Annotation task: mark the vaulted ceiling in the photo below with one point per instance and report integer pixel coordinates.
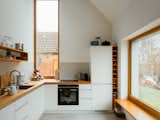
(111, 8)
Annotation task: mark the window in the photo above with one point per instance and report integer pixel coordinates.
(47, 38)
(144, 70)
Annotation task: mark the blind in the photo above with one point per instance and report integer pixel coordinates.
(47, 42)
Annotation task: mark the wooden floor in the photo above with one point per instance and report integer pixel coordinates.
(79, 116)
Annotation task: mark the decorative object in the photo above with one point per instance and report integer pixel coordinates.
(96, 42)
(105, 43)
(7, 41)
(19, 46)
(36, 76)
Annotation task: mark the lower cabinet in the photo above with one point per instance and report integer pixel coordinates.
(29, 107)
(8, 113)
(50, 98)
(102, 96)
(22, 108)
(85, 97)
(36, 103)
(45, 99)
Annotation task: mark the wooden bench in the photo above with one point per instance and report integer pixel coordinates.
(135, 111)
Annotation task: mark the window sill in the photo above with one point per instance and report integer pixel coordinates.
(135, 111)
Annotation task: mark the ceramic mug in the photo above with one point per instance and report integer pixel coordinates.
(12, 90)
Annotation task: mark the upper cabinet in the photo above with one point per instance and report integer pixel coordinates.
(101, 64)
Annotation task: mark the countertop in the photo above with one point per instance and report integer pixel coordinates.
(6, 99)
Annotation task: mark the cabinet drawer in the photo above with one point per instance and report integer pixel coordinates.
(85, 94)
(85, 87)
(22, 117)
(85, 104)
(22, 112)
(21, 102)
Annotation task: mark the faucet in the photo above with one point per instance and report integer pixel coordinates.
(13, 81)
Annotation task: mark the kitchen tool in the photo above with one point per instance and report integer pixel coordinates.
(20, 80)
(4, 80)
(106, 43)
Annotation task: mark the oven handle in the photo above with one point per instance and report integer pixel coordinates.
(68, 86)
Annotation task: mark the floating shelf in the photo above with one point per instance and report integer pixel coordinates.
(10, 60)
(12, 49)
(22, 55)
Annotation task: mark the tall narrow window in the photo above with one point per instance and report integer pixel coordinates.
(47, 37)
(145, 70)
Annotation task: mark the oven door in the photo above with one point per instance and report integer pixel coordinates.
(68, 95)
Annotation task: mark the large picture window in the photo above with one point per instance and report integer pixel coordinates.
(144, 70)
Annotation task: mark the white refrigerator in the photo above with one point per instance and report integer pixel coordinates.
(101, 77)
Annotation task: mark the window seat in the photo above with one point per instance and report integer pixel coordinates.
(135, 111)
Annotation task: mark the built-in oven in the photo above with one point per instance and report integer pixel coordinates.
(68, 94)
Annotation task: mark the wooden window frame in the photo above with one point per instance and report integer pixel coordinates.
(35, 39)
(144, 106)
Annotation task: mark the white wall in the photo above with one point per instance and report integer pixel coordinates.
(16, 20)
(80, 22)
(139, 14)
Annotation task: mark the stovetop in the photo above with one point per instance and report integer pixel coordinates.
(69, 80)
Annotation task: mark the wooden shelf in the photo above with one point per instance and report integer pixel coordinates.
(135, 111)
(11, 60)
(16, 53)
(12, 49)
(114, 74)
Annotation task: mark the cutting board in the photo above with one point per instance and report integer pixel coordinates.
(4, 81)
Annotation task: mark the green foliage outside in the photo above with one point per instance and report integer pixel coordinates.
(150, 96)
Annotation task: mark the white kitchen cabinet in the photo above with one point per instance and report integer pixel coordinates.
(101, 77)
(50, 98)
(8, 113)
(22, 108)
(85, 97)
(29, 107)
(101, 64)
(102, 97)
(36, 103)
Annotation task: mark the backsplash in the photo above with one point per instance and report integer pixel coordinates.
(69, 71)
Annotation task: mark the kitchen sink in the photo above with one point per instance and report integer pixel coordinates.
(23, 87)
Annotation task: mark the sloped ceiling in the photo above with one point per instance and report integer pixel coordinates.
(111, 8)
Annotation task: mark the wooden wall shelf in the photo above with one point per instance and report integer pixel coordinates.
(11, 60)
(114, 74)
(19, 55)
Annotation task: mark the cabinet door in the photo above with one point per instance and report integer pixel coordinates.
(51, 97)
(22, 108)
(36, 103)
(8, 113)
(101, 64)
(102, 97)
(85, 97)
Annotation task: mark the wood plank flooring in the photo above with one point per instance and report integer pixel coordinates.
(79, 116)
